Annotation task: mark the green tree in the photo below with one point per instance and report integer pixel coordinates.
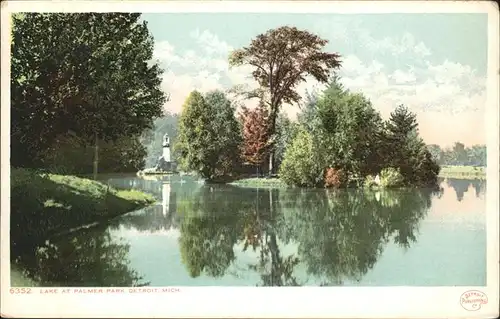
(407, 151)
(282, 57)
(309, 117)
(209, 135)
(286, 130)
(90, 73)
(70, 154)
(353, 130)
(304, 162)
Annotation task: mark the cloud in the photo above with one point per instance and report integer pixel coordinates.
(204, 68)
(432, 90)
(352, 34)
(403, 77)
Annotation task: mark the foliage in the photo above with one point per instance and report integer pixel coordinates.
(281, 59)
(69, 154)
(370, 182)
(256, 142)
(391, 177)
(459, 154)
(309, 118)
(352, 128)
(89, 73)
(303, 164)
(209, 135)
(334, 177)
(286, 130)
(406, 150)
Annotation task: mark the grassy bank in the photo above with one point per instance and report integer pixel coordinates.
(260, 182)
(463, 172)
(43, 205)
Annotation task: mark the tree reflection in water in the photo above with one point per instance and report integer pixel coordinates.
(339, 234)
(92, 258)
(461, 186)
(336, 236)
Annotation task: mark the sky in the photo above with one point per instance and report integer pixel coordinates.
(434, 63)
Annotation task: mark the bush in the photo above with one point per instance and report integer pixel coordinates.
(334, 178)
(391, 177)
(302, 163)
(370, 182)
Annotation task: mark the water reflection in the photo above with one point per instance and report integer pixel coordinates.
(461, 186)
(338, 234)
(273, 237)
(90, 259)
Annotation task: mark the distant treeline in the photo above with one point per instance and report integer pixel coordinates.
(459, 154)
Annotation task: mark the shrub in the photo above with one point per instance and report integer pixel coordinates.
(334, 177)
(391, 177)
(302, 163)
(370, 182)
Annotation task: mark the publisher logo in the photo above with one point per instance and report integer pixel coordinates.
(472, 300)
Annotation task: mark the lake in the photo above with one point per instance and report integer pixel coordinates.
(222, 235)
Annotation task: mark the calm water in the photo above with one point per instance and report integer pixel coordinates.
(203, 235)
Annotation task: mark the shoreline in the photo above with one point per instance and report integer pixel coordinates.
(50, 206)
(456, 172)
(463, 172)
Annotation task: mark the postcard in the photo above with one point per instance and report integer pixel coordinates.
(316, 159)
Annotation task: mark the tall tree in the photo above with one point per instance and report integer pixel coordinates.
(282, 58)
(209, 135)
(407, 151)
(90, 73)
(255, 146)
(353, 128)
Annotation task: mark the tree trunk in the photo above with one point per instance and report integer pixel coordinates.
(271, 156)
(96, 155)
(272, 118)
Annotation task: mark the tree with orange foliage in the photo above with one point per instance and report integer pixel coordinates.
(256, 138)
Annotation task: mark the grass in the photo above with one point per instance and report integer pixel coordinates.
(261, 182)
(44, 205)
(463, 172)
